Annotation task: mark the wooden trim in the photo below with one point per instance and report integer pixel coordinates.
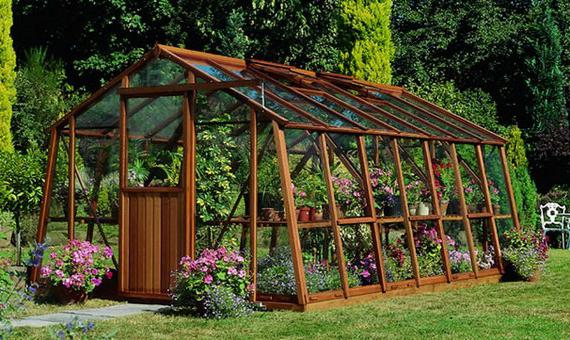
(123, 170)
(47, 191)
(189, 167)
(71, 178)
(152, 189)
(437, 209)
(181, 89)
(371, 211)
(506, 171)
(464, 212)
(406, 212)
(253, 202)
(333, 215)
(489, 205)
(292, 228)
(356, 220)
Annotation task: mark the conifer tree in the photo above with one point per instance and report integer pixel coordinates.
(7, 75)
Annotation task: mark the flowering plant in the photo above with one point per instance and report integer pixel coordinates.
(365, 268)
(473, 194)
(79, 265)
(444, 178)
(212, 281)
(460, 261)
(384, 187)
(349, 195)
(495, 193)
(525, 253)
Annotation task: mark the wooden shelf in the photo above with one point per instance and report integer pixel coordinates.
(452, 218)
(503, 217)
(480, 215)
(355, 220)
(391, 219)
(424, 217)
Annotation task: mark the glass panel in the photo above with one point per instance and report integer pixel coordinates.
(309, 187)
(359, 254)
(507, 224)
(347, 176)
(471, 178)
(346, 112)
(155, 146)
(219, 106)
(444, 178)
(415, 177)
(320, 260)
(405, 106)
(428, 249)
(482, 239)
(275, 274)
(397, 260)
(414, 121)
(457, 247)
(270, 197)
(103, 114)
(158, 72)
(497, 181)
(383, 177)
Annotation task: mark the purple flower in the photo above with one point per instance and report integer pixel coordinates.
(208, 279)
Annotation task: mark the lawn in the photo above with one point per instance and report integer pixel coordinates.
(506, 310)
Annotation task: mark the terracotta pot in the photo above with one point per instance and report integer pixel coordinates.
(318, 215)
(312, 212)
(496, 209)
(68, 296)
(443, 207)
(304, 214)
(339, 212)
(482, 208)
(423, 209)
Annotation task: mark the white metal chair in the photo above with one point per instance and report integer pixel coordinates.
(553, 218)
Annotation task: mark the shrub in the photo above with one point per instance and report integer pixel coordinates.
(214, 285)
(524, 253)
(275, 273)
(80, 266)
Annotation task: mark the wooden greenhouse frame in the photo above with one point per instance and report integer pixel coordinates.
(343, 123)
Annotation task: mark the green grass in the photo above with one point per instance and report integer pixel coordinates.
(506, 310)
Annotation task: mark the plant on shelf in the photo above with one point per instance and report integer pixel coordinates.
(524, 254)
(385, 189)
(495, 197)
(74, 270)
(349, 196)
(413, 191)
(473, 195)
(444, 179)
(301, 200)
(215, 285)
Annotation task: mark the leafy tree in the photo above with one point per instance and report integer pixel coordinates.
(366, 48)
(546, 80)
(7, 75)
(43, 95)
(21, 179)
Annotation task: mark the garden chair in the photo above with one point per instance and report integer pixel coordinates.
(553, 217)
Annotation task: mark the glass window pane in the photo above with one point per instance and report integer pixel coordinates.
(103, 114)
(346, 112)
(428, 249)
(359, 254)
(397, 259)
(457, 247)
(482, 239)
(275, 274)
(415, 177)
(444, 178)
(158, 72)
(497, 181)
(471, 178)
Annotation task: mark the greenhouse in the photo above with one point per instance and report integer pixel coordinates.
(336, 190)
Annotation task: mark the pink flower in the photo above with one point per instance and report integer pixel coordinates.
(67, 282)
(365, 274)
(45, 271)
(241, 274)
(109, 274)
(108, 252)
(59, 263)
(232, 271)
(208, 279)
(53, 255)
(59, 274)
(96, 281)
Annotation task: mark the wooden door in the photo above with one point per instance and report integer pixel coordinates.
(153, 240)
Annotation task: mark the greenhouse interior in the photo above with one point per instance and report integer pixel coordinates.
(334, 189)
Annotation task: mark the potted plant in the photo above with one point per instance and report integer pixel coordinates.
(524, 254)
(444, 184)
(424, 207)
(413, 191)
(74, 270)
(303, 210)
(385, 191)
(473, 196)
(495, 198)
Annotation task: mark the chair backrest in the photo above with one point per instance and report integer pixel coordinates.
(549, 214)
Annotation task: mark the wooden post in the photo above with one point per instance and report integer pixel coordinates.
(376, 150)
(464, 212)
(487, 194)
(253, 201)
(334, 216)
(71, 176)
(437, 209)
(371, 211)
(123, 169)
(406, 212)
(189, 175)
(514, 210)
(46, 199)
(289, 204)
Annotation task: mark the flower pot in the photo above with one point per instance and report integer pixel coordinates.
(312, 212)
(318, 215)
(413, 209)
(453, 207)
(304, 214)
(339, 212)
(267, 214)
(68, 296)
(496, 209)
(482, 207)
(443, 207)
(393, 211)
(423, 209)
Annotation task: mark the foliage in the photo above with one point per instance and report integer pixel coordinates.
(549, 154)
(212, 285)
(349, 196)
(384, 187)
(74, 329)
(444, 179)
(321, 277)
(366, 40)
(460, 261)
(397, 261)
(80, 266)
(365, 268)
(313, 185)
(275, 273)
(525, 253)
(7, 76)
(473, 192)
(524, 189)
(428, 249)
(43, 96)
(546, 80)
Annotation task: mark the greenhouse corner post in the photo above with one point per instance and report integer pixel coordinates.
(489, 206)
(71, 178)
(253, 201)
(405, 211)
(375, 226)
(334, 216)
(464, 212)
(46, 200)
(189, 177)
(437, 208)
(289, 204)
(123, 164)
(514, 210)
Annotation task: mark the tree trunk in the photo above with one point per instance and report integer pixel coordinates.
(18, 240)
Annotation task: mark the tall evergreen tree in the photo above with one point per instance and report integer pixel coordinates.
(546, 80)
(7, 75)
(366, 41)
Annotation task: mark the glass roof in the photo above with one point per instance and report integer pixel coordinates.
(296, 98)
